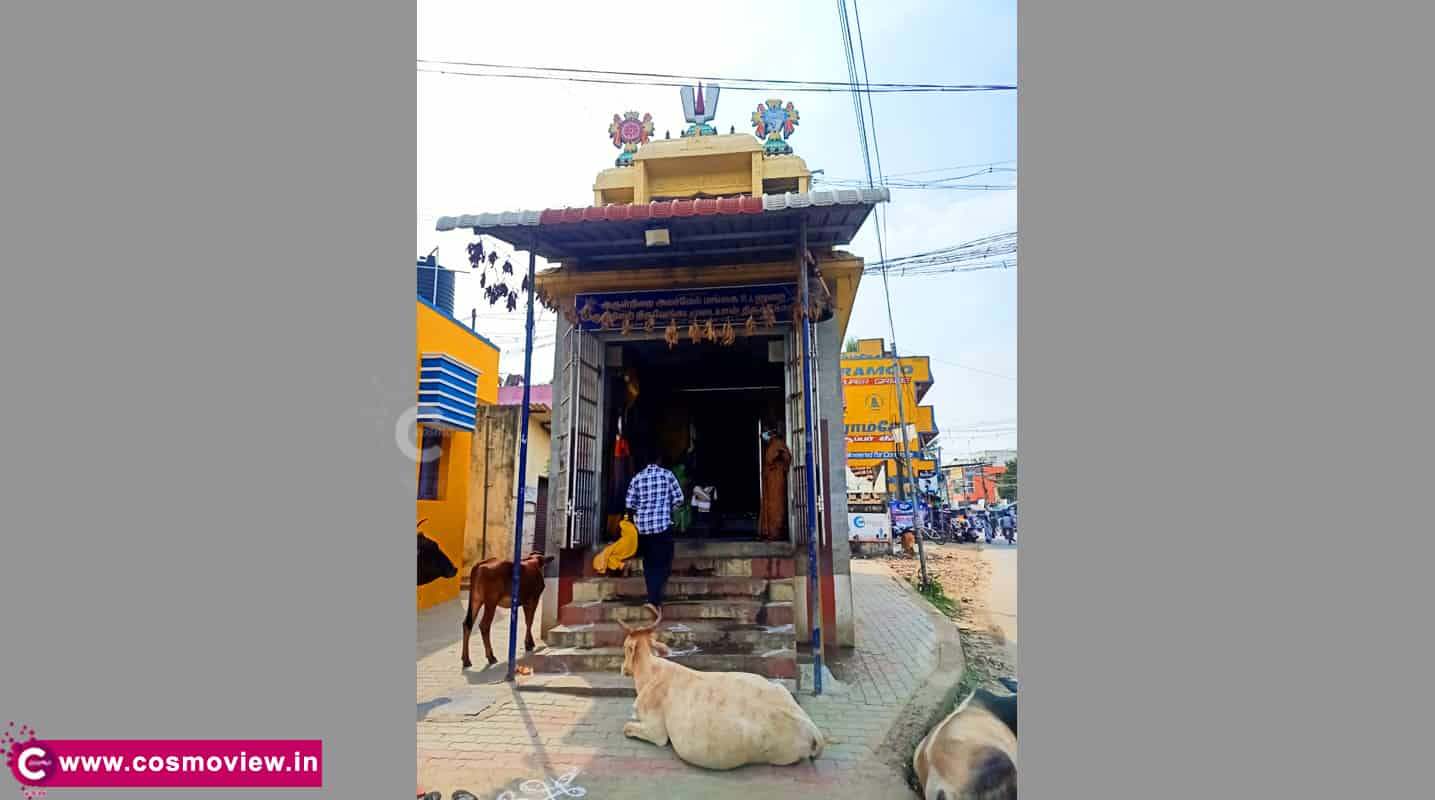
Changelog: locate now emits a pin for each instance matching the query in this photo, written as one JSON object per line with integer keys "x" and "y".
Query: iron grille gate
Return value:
{"x": 797, "y": 432}
{"x": 578, "y": 450}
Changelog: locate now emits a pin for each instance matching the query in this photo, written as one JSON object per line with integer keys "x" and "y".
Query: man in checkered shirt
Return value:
{"x": 652, "y": 495}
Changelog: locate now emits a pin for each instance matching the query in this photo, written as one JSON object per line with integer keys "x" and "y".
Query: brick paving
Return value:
{"x": 477, "y": 733}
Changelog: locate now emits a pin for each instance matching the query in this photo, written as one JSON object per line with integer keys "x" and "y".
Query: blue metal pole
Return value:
{"x": 814, "y": 590}
{"x": 513, "y": 607}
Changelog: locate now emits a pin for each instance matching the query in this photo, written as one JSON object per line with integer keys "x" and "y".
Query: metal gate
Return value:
{"x": 540, "y": 518}
{"x": 796, "y": 438}
{"x": 578, "y": 446}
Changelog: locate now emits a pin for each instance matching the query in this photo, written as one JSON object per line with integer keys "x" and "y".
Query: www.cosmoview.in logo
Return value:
{"x": 34, "y": 762}
{"x": 160, "y": 763}
{"x": 31, "y": 761}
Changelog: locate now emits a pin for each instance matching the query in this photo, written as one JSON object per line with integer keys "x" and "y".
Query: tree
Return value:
{"x": 851, "y": 346}
{"x": 1006, "y": 482}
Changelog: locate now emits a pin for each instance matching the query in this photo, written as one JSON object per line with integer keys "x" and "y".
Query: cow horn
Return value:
{"x": 422, "y": 521}
{"x": 657, "y": 617}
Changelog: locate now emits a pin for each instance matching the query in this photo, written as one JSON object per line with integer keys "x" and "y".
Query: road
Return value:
{"x": 1001, "y": 592}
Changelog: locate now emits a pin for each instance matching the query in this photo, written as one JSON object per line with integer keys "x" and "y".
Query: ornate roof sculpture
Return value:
{"x": 627, "y": 132}
{"x": 774, "y": 123}
{"x": 699, "y": 108}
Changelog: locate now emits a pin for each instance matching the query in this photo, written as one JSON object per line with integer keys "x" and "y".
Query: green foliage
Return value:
{"x": 1006, "y": 482}
{"x": 936, "y": 595}
{"x": 851, "y": 345}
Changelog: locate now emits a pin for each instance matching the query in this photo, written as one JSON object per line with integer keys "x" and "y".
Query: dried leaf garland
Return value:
{"x": 750, "y": 327}
{"x": 605, "y": 320}
{"x": 492, "y": 257}
{"x": 729, "y": 336}
{"x": 670, "y": 333}
{"x": 709, "y": 332}
{"x": 695, "y": 333}
{"x": 651, "y": 323}
{"x": 627, "y": 324}
{"x": 769, "y": 317}
{"x": 507, "y": 267}
{"x": 512, "y": 300}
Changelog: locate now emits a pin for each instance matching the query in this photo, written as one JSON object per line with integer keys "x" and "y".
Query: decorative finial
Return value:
{"x": 627, "y": 132}
{"x": 774, "y": 123}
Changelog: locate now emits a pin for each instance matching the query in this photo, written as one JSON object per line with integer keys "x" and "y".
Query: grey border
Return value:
{"x": 216, "y": 188}
{"x": 208, "y": 331}
{"x": 1214, "y": 335}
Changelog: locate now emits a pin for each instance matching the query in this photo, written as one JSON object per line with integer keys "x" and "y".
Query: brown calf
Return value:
{"x": 491, "y": 586}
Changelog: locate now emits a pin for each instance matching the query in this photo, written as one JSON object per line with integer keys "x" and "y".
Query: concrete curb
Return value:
{"x": 929, "y": 703}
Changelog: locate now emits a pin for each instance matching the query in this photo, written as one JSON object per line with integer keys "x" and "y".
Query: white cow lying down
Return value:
{"x": 970, "y": 755}
{"x": 717, "y": 720}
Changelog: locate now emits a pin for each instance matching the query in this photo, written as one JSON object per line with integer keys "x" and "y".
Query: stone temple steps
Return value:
{"x": 728, "y": 607}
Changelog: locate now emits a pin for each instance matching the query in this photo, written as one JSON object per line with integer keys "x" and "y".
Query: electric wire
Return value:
{"x": 615, "y": 77}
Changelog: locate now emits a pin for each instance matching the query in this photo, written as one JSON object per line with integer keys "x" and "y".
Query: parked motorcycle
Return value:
{"x": 962, "y": 531}
{"x": 932, "y": 535}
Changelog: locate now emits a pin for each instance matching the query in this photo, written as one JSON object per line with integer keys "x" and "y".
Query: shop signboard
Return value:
{"x": 868, "y": 522}
{"x": 903, "y": 514}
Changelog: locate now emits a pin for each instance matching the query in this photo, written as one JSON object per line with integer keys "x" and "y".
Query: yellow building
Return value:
{"x": 457, "y": 371}
{"x": 870, "y": 397}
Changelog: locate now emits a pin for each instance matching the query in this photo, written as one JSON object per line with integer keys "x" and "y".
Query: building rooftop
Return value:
{"x": 540, "y": 396}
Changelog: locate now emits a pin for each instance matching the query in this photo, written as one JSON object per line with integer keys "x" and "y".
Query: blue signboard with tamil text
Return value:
{"x": 682, "y": 306}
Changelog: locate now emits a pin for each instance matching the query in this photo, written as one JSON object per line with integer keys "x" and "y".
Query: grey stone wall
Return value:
{"x": 829, "y": 350}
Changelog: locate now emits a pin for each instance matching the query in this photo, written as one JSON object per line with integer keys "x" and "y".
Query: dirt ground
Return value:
{"x": 965, "y": 574}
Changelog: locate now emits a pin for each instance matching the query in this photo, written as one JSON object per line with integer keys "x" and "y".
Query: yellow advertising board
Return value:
{"x": 870, "y": 396}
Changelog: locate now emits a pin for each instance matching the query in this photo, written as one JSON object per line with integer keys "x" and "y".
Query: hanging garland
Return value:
{"x": 670, "y": 333}
{"x": 718, "y": 330}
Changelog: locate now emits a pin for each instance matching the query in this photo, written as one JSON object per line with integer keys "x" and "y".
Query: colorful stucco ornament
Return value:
{"x": 699, "y": 108}
{"x": 774, "y": 123}
{"x": 628, "y": 131}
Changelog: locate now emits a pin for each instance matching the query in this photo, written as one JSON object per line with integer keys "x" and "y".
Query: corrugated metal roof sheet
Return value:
{"x": 665, "y": 209}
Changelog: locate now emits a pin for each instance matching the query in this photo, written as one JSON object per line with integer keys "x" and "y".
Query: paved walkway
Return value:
{"x": 477, "y": 733}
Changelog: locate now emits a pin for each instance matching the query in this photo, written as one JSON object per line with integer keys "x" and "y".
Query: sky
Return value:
{"x": 497, "y": 144}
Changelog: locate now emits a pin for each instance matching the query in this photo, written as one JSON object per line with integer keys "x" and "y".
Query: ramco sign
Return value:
{"x": 875, "y": 371}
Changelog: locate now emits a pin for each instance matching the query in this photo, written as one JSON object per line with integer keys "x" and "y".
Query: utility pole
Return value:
{"x": 906, "y": 458}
